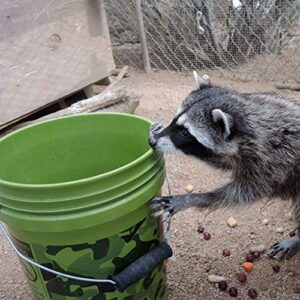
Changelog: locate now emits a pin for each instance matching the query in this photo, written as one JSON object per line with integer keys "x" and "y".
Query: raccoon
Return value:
{"x": 255, "y": 136}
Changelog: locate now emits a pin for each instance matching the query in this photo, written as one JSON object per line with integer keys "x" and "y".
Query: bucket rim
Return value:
{"x": 133, "y": 163}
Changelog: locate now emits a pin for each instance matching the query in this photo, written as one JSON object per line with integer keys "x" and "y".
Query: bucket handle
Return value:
{"x": 134, "y": 272}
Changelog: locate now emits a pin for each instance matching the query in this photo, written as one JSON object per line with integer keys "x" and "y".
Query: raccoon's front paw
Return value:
{"x": 285, "y": 249}
{"x": 167, "y": 204}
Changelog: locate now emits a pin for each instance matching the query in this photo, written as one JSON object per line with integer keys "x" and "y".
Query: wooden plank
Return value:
{"x": 49, "y": 49}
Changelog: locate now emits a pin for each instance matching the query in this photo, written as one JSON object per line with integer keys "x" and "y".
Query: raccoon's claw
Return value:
{"x": 285, "y": 249}
{"x": 166, "y": 204}
{"x": 156, "y": 128}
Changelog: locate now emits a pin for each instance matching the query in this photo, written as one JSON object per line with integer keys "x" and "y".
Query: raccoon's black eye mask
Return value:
{"x": 187, "y": 143}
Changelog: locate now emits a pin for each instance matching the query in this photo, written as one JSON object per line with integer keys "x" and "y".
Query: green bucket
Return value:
{"x": 74, "y": 194}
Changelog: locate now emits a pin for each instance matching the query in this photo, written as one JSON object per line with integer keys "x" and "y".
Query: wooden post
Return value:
{"x": 141, "y": 29}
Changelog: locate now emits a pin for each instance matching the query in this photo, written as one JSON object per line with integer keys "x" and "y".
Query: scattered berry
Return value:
{"x": 242, "y": 277}
{"x": 276, "y": 268}
{"x": 252, "y": 293}
{"x": 206, "y": 236}
{"x": 223, "y": 285}
{"x": 226, "y": 252}
{"x": 292, "y": 233}
{"x": 250, "y": 257}
{"x": 248, "y": 266}
{"x": 200, "y": 229}
{"x": 256, "y": 255}
{"x": 233, "y": 292}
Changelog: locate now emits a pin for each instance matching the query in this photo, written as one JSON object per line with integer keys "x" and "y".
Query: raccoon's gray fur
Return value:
{"x": 255, "y": 136}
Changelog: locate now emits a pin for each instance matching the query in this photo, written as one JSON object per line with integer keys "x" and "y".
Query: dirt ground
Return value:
{"x": 196, "y": 258}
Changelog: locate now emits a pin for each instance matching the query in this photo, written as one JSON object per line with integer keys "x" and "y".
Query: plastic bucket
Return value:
{"x": 74, "y": 193}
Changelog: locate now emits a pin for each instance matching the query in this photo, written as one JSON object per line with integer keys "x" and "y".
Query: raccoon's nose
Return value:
{"x": 152, "y": 142}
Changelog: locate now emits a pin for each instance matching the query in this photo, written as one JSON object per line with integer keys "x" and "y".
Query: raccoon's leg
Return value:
{"x": 228, "y": 195}
{"x": 289, "y": 247}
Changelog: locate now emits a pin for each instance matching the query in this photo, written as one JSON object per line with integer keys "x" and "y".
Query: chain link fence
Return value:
{"x": 244, "y": 39}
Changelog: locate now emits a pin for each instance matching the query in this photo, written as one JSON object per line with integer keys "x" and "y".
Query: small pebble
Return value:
{"x": 200, "y": 229}
{"x": 265, "y": 221}
{"x": 276, "y": 268}
{"x": 279, "y": 230}
{"x": 226, "y": 252}
{"x": 259, "y": 248}
{"x": 291, "y": 216}
{"x": 206, "y": 236}
{"x": 189, "y": 188}
{"x": 223, "y": 285}
{"x": 242, "y": 277}
{"x": 233, "y": 292}
{"x": 273, "y": 294}
{"x": 231, "y": 222}
{"x": 252, "y": 293}
{"x": 215, "y": 278}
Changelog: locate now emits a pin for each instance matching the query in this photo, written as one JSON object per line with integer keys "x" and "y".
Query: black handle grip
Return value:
{"x": 142, "y": 266}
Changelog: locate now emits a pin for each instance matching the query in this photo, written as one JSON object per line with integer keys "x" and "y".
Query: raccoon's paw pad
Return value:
{"x": 166, "y": 204}
{"x": 156, "y": 128}
{"x": 285, "y": 249}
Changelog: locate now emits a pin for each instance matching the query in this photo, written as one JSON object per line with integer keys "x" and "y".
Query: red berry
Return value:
{"x": 223, "y": 285}
{"x": 233, "y": 292}
{"x": 252, "y": 293}
{"x": 200, "y": 229}
{"x": 206, "y": 236}
{"x": 242, "y": 277}
{"x": 226, "y": 252}
{"x": 250, "y": 257}
{"x": 256, "y": 255}
{"x": 276, "y": 268}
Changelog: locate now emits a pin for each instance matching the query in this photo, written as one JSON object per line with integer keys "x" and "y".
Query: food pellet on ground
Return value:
{"x": 215, "y": 278}
{"x": 231, "y": 222}
{"x": 189, "y": 188}
{"x": 248, "y": 266}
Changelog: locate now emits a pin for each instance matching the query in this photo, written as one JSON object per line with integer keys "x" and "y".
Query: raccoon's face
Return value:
{"x": 201, "y": 126}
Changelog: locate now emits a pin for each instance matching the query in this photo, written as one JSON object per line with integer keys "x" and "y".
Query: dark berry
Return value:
{"x": 242, "y": 277}
{"x": 250, "y": 257}
{"x": 226, "y": 252}
{"x": 223, "y": 285}
{"x": 233, "y": 292}
{"x": 200, "y": 229}
{"x": 252, "y": 293}
{"x": 276, "y": 268}
{"x": 256, "y": 255}
{"x": 292, "y": 233}
{"x": 206, "y": 236}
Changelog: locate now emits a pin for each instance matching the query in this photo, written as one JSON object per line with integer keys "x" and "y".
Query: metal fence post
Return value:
{"x": 142, "y": 35}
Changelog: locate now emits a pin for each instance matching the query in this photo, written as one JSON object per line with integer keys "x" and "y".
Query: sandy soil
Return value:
{"x": 195, "y": 257}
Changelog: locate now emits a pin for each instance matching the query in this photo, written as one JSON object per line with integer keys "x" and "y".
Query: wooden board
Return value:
{"x": 49, "y": 49}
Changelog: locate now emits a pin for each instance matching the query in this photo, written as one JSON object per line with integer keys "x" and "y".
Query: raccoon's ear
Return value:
{"x": 201, "y": 81}
{"x": 225, "y": 119}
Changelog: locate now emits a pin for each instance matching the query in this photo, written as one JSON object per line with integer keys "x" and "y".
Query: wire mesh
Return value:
{"x": 245, "y": 39}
